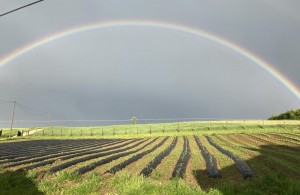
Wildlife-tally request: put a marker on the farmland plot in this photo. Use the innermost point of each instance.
(201, 162)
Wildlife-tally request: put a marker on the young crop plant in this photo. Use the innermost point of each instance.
(180, 168)
(135, 158)
(211, 163)
(242, 166)
(157, 160)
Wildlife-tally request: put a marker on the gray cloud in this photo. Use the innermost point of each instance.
(150, 73)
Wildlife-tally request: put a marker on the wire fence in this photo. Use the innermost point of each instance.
(79, 127)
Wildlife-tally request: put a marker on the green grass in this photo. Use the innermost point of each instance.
(164, 129)
(262, 156)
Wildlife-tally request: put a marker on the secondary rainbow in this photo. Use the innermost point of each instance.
(168, 26)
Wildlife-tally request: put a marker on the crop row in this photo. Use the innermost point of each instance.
(157, 160)
(182, 162)
(72, 150)
(66, 156)
(135, 157)
(87, 155)
(31, 148)
(93, 165)
(211, 163)
(242, 166)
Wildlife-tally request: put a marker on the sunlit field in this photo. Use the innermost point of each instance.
(207, 157)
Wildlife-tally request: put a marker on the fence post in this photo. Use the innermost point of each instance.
(102, 133)
(164, 129)
(71, 132)
(60, 132)
(178, 128)
(43, 132)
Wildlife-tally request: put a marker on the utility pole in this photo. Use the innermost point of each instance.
(12, 118)
(49, 117)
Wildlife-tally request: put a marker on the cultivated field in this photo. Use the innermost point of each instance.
(259, 162)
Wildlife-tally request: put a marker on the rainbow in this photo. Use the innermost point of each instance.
(161, 25)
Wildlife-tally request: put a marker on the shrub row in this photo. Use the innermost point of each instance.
(135, 158)
(46, 155)
(183, 160)
(92, 166)
(30, 148)
(68, 155)
(86, 158)
(157, 160)
(211, 163)
(242, 166)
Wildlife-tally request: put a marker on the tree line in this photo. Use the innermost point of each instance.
(288, 115)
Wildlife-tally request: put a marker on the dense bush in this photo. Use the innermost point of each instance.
(288, 115)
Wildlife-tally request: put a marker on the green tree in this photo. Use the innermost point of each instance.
(134, 120)
(288, 115)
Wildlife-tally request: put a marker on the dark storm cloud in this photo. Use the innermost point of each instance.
(149, 73)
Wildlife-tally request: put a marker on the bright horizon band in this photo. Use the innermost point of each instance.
(153, 24)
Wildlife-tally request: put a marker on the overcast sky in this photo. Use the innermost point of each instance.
(117, 73)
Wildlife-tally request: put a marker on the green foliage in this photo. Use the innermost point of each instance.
(134, 120)
(288, 115)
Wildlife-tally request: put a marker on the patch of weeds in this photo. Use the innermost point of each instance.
(90, 185)
(32, 174)
(129, 184)
(157, 175)
(68, 176)
(48, 187)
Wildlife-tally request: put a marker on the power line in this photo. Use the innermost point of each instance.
(30, 110)
(20, 8)
(6, 101)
